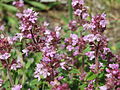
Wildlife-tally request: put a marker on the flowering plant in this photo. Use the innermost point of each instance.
(53, 59)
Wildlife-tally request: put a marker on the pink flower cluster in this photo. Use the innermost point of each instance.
(28, 19)
(97, 24)
(19, 3)
(79, 9)
(41, 71)
(75, 44)
(113, 76)
(90, 85)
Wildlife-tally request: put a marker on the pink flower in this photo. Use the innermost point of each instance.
(60, 77)
(47, 32)
(78, 12)
(1, 82)
(5, 56)
(114, 66)
(106, 50)
(85, 15)
(46, 24)
(74, 36)
(62, 64)
(16, 65)
(73, 25)
(103, 87)
(17, 87)
(28, 18)
(25, 51)
(75, 2)
(90, 55)
(57, 28)
(41, 71)
(103, 23)
(2, 27)
(18, 36)
(70, 48)
(86, 26)
(19, 3)
(46, 59)
(89, 38)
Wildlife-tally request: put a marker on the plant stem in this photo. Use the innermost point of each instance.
(82, 67)
(97, 63)
(70, 9)
(33, 38)
(10, 77)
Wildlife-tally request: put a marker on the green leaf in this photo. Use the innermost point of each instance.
(37, 57)
(34, 82)
(9, 7)
(82, 86)
(75, 71)
(6, 85)
(7, 1)
(88, 75)
(29, 63)
(38, 5)
(92, 77)
(54, 4)
(87, 49)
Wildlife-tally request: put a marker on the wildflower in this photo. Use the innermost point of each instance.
(18, 36)
(79, 2)
(103, 23)
(60, 77)
(78, 12)
(114, 66)
(17, 87)
(16, 65)
(25, 51)
(28, 18)
(46, 24)
(2, 27)
(90, 55)
(106, 50)
(19, 3)
(62, 64)
(103, 87)
(70, 48)
(5, 56)
(73, 25)
(89, 38)
(113, 76)
(85, 15)
(41, 71)
(1, 82)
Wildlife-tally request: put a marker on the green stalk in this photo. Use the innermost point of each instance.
(9, 75)
(70, 9)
